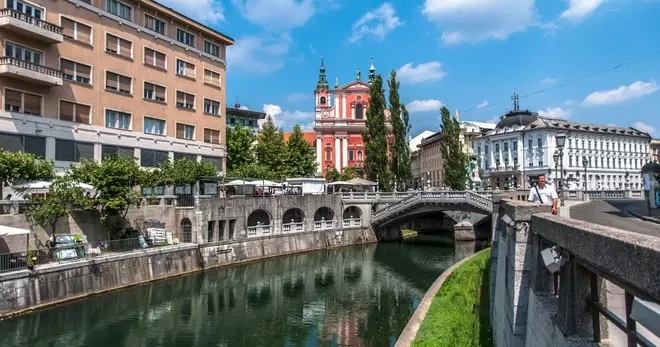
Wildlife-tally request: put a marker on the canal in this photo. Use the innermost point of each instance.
(358, 296)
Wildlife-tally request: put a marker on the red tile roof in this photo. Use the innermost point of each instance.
(310, 136)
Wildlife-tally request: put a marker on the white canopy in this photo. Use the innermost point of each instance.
(34, 185)
(339, 183)
(238, 183)
(9, 231)
(265, 183)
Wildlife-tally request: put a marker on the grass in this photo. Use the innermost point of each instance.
(459, 313)
(406, 233)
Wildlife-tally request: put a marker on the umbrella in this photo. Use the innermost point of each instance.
(360, 182)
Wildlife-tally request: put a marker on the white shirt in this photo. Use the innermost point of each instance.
(548, 193)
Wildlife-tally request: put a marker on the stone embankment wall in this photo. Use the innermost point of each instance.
(22, 291)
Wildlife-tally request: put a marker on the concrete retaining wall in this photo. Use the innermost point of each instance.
(23, 291)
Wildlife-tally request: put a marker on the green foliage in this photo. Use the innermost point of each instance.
(270, 150)
(451, 319)
(22, 166)
(332, 175)
(454, 159)
(400, 166)
(375, 137)
(240, 151)
(184, 171)
(252, 170)
(46, 211)
(300, 160)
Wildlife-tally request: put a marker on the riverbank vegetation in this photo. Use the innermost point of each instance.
(408, 233)
(459, 314)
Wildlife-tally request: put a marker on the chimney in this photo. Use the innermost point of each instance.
(237, 105)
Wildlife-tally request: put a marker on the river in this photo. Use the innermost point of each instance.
(357, 296)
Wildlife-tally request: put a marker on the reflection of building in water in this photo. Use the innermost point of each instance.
(344, 329)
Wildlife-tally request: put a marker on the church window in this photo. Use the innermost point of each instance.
(350, 155)
(323, 101)
(328, 154)
(359, 111)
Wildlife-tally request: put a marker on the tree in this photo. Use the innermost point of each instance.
(270, 150)
(300, 160)
(400, 161)
(453, 158)
(375, 137)
(240, 151)
(21, 166)
(47, 211)
(185, 171)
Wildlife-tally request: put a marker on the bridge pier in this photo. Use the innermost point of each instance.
(464, 231)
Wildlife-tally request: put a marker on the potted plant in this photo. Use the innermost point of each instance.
(31, 260)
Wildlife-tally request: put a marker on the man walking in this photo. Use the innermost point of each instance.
(544, 194)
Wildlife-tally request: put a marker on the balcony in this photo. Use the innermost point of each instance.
(30, 26)
(26, 71)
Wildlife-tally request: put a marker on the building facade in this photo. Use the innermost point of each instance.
(416, 158)
(654, 150)
(522, 145)
(246, 118)
(90, 78)
(340, 120)
(430, 158)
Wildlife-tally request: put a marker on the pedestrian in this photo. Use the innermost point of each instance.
(544, 194)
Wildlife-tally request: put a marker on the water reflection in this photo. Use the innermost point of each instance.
(358, 296)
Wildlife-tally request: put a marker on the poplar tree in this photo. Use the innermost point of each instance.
(375, 137)
(300, 160)
(400, 162)
(270, 150)
(240, 153)
(453, 158)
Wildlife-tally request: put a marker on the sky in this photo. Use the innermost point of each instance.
(591, 61)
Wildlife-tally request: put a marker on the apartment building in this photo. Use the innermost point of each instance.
(91, 78)
(246, 118)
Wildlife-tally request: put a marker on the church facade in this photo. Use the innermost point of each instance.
(341, 114)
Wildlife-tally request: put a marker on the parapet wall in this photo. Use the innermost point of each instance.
(22, 291)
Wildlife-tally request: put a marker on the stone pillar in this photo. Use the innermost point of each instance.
(464, 231)
(344, 152)
(337, 154)
(336, 107)
(319, 154)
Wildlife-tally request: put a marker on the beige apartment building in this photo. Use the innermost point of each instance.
(86, 79)
(431, 165)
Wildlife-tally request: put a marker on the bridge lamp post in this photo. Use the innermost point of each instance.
(561, 141)
(585, 163)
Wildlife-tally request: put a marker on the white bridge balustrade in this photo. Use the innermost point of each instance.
(293, 227)
(259, 230)
(353, 223)
(324, 225)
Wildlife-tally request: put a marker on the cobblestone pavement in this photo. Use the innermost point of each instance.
(612, 213)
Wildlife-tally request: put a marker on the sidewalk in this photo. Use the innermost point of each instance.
(639, 210)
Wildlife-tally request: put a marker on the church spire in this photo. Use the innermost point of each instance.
(322, 83)
(372, 71)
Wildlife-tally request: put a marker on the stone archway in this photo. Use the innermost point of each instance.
(293, 220)
(324, 218)
(259, 222)
(352, 217)
(186, 230)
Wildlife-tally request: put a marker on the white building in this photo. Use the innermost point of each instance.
(522, 146)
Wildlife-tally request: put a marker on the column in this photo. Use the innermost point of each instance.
(336, 106)
(344, 151)
(509, 150)
(319, 154)
(352, 112)
(343, 106)
(337, 154)
(491, 150)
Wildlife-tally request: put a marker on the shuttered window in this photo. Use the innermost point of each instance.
(23, 143)
(185, 131)
(27, 103)
(110, 151)
(185, 100)
(13, 101)
(152, 158)
(67, 150)
(212, 78)
(155, 58)
(76, 31)
(118, 83)
(74, 71)
(154, 92)
(185, 68)
(155, 24)
(73, 112)
(211, 136)
(117, 120)
(119, 46)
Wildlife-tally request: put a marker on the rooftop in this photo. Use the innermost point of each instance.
(241, 111)
(310, 136)
(228, 40)
(414, 143)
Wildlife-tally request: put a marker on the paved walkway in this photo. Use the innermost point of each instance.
(639, 209)
(613, 213)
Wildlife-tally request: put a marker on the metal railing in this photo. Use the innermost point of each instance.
(30, 66)
(8, 12)
(187, 200)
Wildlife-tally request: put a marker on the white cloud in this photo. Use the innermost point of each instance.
(477, 20)
(293, 97)
(494, 120)
(287, 119)
(377, 23)
(614, 96)
(205, 11)
(276, 15)
(578, 9)
(549, 80)
(259, 54)
(431, 71)
(644, 127)
(555, 113)
(243, 107)
(424, 105)
(483, 104)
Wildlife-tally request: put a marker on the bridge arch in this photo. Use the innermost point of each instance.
(293, 215)
(324, 214)
(259, 217)
(352, 212)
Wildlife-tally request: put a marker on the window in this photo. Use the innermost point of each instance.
(154, 24)
(185, 37)
(72, 112)
(76, 31)
(211, 136)
(27, 103)
(328, 154)
(117, 120)
(185, 100)
(118, 83)
(185, 131)
(497, 147)
(119, 9)
(117, 45)
(515, 145)
(215, 161)
(540, 144)
(189, 156)
(212, 78)
(154, 92)
(185, 68)
(115, 151)
(66, 150)
(359, 111)
(27, 8)
(19, 52)
(211, 107)
(540, 162)
(74, 71)
(211, 48)
(350, 155)
(154, 126)
(155, 58)
(506, 146)
(23, 143)
(152, 158)
(529, 143)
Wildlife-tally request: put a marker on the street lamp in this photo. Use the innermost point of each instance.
(561, 141)
(585, 163)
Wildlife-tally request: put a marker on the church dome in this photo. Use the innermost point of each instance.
(515, 118)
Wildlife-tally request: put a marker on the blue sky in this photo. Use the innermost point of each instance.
(469, 55)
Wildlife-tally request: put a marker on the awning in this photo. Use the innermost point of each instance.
(10, 231)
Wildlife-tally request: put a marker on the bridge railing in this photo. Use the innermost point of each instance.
(371, 196)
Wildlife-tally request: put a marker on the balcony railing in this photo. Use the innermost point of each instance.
(30, 66)
(293, 227)
(8, 12)
(324, 225)
(259, 230)
(352, 222)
